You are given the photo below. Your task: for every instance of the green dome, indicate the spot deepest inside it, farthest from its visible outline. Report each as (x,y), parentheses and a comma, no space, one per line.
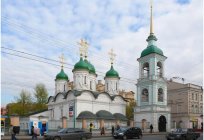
(62,76)
(112,73)
(151,49)
(81,65)
(90,66)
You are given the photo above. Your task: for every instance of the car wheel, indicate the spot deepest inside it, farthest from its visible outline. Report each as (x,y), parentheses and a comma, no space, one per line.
(83,138)
(124,137)
(140,136)
(57,138)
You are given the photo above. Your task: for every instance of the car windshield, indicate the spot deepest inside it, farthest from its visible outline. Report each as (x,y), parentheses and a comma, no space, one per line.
(122,129)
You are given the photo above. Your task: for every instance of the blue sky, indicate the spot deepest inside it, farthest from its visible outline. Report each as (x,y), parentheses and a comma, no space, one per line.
(49,28)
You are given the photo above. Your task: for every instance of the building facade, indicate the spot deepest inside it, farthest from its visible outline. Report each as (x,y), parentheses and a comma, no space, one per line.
(186,101)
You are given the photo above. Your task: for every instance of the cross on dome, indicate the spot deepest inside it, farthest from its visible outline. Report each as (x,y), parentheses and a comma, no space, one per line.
(83,49)
(62,60)
(112,56)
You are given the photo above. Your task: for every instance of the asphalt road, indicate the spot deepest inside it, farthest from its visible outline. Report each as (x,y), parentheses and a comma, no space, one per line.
(146,137)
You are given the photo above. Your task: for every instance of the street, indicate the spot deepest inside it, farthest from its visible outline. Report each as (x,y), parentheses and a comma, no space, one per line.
(146,137)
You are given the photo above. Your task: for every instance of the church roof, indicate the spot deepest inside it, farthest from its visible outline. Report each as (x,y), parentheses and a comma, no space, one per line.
(81,65)
(90,66)
(112,73)
(78,93)
(151,49)
(62,75)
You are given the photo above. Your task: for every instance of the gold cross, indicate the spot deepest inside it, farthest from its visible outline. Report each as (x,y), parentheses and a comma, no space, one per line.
(112,56)
(61,60)
(83,47)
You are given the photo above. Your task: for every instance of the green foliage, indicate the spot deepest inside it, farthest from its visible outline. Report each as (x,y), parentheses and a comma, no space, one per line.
(25,104)
(41,94)
(130,110)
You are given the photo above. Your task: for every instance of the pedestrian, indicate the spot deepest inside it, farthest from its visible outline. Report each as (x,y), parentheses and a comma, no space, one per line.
(102,131)
(112,130)
(91,127)
(118,127)
(151,128)
(13,134)
(34,133)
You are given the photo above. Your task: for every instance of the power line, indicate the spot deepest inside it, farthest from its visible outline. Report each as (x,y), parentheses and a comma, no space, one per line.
(52,64)
(34,31)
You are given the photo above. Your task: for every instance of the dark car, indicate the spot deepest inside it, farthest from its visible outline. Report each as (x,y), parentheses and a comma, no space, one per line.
(68,134)
(183,134)
(126,133)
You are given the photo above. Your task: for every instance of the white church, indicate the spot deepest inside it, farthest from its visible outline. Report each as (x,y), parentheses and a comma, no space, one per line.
(82,105)
(152,88)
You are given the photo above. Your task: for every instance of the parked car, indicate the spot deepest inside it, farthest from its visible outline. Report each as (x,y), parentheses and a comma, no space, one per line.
(68,134)
(126,133)
(183,134)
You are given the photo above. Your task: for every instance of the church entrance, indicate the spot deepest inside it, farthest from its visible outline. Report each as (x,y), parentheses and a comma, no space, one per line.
(162,124)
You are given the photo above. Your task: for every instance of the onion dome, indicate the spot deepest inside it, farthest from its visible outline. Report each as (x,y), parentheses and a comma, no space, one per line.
(151,49)
(90,66)
(112,73)
(81,65)
(62,76)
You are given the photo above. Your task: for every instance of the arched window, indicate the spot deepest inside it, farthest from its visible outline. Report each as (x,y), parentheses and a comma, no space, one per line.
(64,87)
(85,80)
(159,69)
(90,85)
(160,95)
(145,72)
(145,95)
(116,86)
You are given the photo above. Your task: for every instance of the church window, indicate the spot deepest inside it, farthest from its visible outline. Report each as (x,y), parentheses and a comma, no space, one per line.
(145,70)
(160,95)
(107,86)
(116,86)
(85,80)
(53,113)
(192,96)
(145,95)
(192,108)
(64,87)
(159,69)
(90,85)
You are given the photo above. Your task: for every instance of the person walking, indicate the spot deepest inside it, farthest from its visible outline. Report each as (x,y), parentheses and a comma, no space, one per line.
(151,128)
(34,133)
(102,131)
(13,134)
(91,127)
(113,129)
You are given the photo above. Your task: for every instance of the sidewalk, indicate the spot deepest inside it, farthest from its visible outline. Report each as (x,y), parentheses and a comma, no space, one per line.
(22,137)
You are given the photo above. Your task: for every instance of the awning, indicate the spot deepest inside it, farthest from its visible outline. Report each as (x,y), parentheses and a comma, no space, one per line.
(103,114)
(86,115)
(119,116)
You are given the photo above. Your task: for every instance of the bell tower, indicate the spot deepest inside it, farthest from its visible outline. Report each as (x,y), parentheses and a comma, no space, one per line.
(151,87)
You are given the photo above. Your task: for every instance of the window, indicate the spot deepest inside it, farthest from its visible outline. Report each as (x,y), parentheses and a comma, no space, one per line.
(64,87)
(201,97)
(90,85)
(116,86)
(192,108)
(201,109)
(145,72)
(85,80)
(192,96)
(196,97)
(160,95)
(107,86)
(159,69)
(145,95)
